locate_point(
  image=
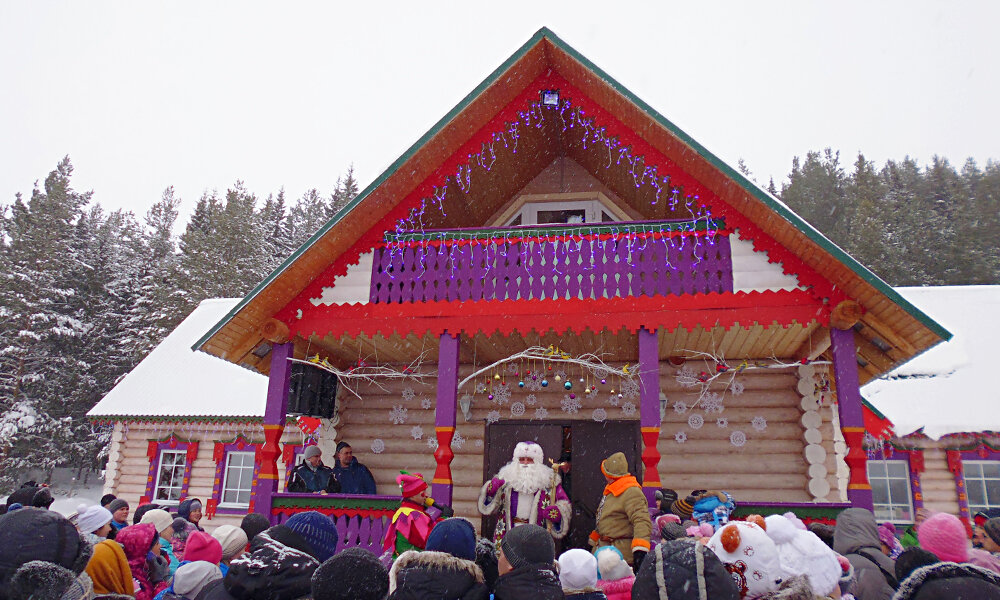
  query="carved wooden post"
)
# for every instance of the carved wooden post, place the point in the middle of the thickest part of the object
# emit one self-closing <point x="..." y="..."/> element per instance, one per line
<point x="274" y="426"/>
<point x="444" y="416"/>
<point x="845" y="371"/>
<point x="649" y="410"/>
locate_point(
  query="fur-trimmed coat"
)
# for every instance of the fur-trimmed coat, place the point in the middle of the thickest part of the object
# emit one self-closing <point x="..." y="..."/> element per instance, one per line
<point x="507" y="498"/>
<point x="430" y="574"/>
<point x="950" y="581"/>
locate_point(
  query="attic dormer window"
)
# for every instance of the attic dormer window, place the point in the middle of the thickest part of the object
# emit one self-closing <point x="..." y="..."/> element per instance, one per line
<point x="556" y="209"/>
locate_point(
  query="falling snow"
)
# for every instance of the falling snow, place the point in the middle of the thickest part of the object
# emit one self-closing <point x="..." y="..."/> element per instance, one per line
<point x="398" y="414"/>
<point x="570" y="405"/>
<point x="417" y="432"/>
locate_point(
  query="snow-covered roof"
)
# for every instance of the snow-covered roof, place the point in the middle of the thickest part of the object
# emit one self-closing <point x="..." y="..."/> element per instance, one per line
<point x="175" y="381"/>
<point x="950" y="388"/>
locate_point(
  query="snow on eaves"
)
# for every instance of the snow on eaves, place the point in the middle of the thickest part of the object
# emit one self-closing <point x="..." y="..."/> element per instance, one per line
<point x="950" y="388"/>
<point x="175" y="381"/>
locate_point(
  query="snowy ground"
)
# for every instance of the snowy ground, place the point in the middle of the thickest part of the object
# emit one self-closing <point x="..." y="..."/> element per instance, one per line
<point x="69" y="492"/>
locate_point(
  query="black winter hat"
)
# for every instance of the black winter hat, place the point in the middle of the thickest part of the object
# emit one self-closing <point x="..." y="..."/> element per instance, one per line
<point x="145" y="508"/>
<point x="912" y="559"/>
<point x="456" y="536"/>
<point x="687" y="570"/>
<point x="23" y="495"/>
<point x="253" y="524"/>
<point x="42" y="498"/>
<point x="992" y="528"/>
<point x="33" y="535"/>
<point x="284" y="535"/>
<point x="528" y="545"/>
<point x="353" y="574"/>
<point x="107" y="498"/>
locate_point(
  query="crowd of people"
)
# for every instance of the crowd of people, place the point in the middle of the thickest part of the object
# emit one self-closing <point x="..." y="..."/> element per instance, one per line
<point x="685" y="548"/>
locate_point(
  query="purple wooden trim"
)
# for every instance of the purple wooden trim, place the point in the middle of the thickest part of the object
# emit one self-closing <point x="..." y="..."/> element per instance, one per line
<point x="649" y="389"/>
<point x="981" y="453"/>
<point x="220" y="469"/>
<point x="275" y="409"/>
<point x="354" y="532"/>
<point x="175" y="444"/>
<point x="297" y="449"/>
<point x="549" y="268"/>
<point x="849" y="408"/>
<point x="447" y="400"/>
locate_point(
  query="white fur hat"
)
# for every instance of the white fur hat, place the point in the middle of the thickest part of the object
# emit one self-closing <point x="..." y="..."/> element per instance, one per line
<point x="750" y="556"/>
<point x="611" y="565"/>
<point x="529" y="449"/>
<point x="803" y="553"/>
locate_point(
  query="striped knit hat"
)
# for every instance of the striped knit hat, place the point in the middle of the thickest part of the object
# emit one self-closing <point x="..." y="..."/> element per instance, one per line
<point x="683" y="508"/>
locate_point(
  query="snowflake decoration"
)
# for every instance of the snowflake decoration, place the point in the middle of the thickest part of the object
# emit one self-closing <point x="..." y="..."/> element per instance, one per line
<point x="630" y="388"/>
<point x="570" y="405"/>
<point x="687" y="377"/>
<point x="592" y="394"/>
<point x="599" y="414"/>
<point x="712" y="403"/>
<point x="512" y="368"/>
<point x="533" y="385"/>
<point x="417" y="432"/>
<point x="458" y="441"/>
<point x="680" y="407"/>
<point x="736" y="387"/>
<point x="695" y="421"/>
<point x="378" y="446"/>
<point x="398" y="414"/>
<point x="680" y="437"/>
<point x="501" y="395"/>
<point x="531" y="400"/>
<point x="628" y="409"/>
<point x="480" y="387"/>
<point x="540" y="413"/>
<point x="426" y="403"/>
<point x="738" y="439"/>
<point x="722" y="422"/>
<point x="479" y="443"/>
<point x="613" y="400"/>
<point x="408" y="394"/>
<point x="517" y="409"/>
<point x="759" y="423"/>
<point x="493" y="416"/>
<point x="432" y="443"/>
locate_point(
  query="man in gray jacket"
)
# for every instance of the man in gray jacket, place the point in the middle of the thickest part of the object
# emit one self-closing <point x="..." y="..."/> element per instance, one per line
<point x="856" y="538"/>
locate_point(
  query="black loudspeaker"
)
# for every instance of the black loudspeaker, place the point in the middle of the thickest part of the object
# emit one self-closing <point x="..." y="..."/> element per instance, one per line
<point x="313" y="391"/>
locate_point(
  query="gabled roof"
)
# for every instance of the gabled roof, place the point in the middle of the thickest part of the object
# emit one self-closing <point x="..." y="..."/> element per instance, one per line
<point x="950" y="388"/>
<point x="547" y="60"/>
<point x="176" y="382"/>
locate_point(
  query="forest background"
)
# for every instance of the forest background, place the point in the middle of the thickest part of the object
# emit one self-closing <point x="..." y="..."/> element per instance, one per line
<point x="86" y="293"/>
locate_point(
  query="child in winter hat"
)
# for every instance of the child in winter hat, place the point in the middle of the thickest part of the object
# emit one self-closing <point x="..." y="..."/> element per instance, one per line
<point x="750" y="556"/>
<point x="353" y="574"/>
<point x="890" y="545"/>
<point x="191" y="578"/>
<point x="319" y="531"/>
<point x="945" y="536"/>
<point x="203" y="547"/>
<point x="800" y="552"/>
<point x="577" y="573"/>
<point x="94" y="522"/>
<point x="615" y="576"/>
<point x="233" y="541"/>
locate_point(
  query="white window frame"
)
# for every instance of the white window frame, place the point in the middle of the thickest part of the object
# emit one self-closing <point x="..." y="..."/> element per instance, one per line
<point x="976" y="507"/>
<point x="528" y="206"/>
<point x="888" y="511"/>
<point x="242" y="469"/>
<point x="159" y="470"/>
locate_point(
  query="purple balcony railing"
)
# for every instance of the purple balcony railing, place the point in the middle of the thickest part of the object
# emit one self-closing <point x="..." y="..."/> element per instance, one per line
<point x="628" y="259"/>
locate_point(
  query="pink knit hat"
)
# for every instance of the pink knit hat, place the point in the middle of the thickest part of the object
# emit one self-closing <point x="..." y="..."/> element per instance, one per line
<point x="944" y="535"/>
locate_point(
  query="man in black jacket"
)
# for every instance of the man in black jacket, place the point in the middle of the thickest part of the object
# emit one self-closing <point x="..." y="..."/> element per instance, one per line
<point x="527" y="565"/>
<point x="312" y="475"/>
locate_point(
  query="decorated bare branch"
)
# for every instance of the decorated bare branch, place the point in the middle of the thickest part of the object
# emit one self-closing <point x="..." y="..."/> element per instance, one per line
<point x="553" y="354"/>
<point x="362" y="372"/>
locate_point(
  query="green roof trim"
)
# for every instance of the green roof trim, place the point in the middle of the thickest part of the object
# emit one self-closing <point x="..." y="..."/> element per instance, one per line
<point x="872" y="408"/>
<point x="174" y="419"/>
<point x="544" y="33"/>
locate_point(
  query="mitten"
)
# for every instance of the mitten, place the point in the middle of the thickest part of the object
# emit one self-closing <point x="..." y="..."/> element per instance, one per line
<point x="552" y="513"/>
<point x="495" y="485"/>
<point x="637" y="556"/>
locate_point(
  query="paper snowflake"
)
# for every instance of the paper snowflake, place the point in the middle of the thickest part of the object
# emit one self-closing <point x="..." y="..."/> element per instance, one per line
<point x="736" y="387"/>
<point x="531" y="399"/>
<point x="695" y="421"/>
<point x="592" y="394"/>
<point x="408" y="394"/>
<point x="759" y="423"/>
<point x="493" y="416"/>
<point x="630" y="388"/>
<point x="479" y="443"/>
<point x="680" y="407"/>
<point x="628" y="409"/>
<point x="512" y="368"/>
<point x="480" y="387"/>
<point x="712" y="403"/>
<point x="722" y="422"/>
<point x="432" y="443"/>
<point x="570" y="405"/>
<point x="398" y="414"/>
<point x="501" y="395"/>
<point x="378" y="446"/>
<point x="540" y="413"/>
<point x="517" y="409"/>
<point x="599" y="414"/>
<point x="417" y="432"/>
<point x="680" y="437"/>
<point x="458" y="441"/>
<point x="426" y="403"/>
<point x="613" y="400"/>
<point x="738" y="439"/>
<point x="533" y="385"/>
<point x="687" y="377"/>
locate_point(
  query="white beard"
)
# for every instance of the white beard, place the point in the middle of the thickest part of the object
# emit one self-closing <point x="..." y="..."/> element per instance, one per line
<point x="527" y="479"/>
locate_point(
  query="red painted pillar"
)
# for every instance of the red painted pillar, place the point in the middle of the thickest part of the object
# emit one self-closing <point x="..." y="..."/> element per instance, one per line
<point x="852" y="424"/>
<point x="649" y="410"/>
<point x="274" y="424"/>
<point x="444" y="416"/>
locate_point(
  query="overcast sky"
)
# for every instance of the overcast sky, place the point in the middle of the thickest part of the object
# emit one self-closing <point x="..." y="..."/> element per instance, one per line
<point x="144" y="95"/>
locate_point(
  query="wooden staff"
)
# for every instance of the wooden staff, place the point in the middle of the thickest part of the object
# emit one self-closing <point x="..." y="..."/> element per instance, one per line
<point x="552" y="495"/>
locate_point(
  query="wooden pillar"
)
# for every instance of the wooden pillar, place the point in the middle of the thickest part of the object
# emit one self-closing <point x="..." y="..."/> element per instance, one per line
<point x="444" y="416"/>
<point x="649" y="410"/>
<point x="275" y="410"/>
<point x="852" y="424"/>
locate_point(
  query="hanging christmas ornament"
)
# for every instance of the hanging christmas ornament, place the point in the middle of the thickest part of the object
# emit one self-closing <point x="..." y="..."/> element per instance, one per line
<point x="558" y="379"/>
<point x="572" y="396"/>
<point x="545" y="383"/>
<point x="497" y="376"/>
<point x="520" y="384"/>
<point x="568" y="385"/>
<point x="604" y="381"/>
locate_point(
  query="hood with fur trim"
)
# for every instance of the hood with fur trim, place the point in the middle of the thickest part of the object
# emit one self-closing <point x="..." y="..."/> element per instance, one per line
<point x="949" y="581"/>
<point x="431" y="574"/>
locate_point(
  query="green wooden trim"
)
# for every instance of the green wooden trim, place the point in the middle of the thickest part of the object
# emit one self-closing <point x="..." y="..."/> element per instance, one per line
<point x="333" y="502"/>
<point x="544" y="33"/>
<point x="820" y="512"/>
<point x="520" y="231"/>
<point x="872" y="408"/>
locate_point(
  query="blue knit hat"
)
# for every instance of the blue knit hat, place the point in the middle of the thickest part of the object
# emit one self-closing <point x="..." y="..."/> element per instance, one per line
<point x="455" y="536"/>
<point x="318" y="530"/>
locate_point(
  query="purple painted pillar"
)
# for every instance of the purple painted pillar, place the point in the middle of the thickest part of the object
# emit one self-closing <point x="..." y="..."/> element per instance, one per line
<point x="274" y="425"/>
<point x="444" y="416"/>
<point x="649" y="410"/>
<point x="852" y="421"/>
